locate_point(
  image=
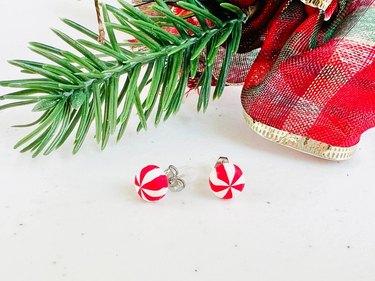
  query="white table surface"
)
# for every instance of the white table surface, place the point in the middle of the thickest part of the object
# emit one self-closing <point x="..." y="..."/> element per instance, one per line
<point x="78" y="218"/>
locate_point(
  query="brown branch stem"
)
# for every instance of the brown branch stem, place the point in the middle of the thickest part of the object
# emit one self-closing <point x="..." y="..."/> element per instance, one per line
<point x="101" y="37"/>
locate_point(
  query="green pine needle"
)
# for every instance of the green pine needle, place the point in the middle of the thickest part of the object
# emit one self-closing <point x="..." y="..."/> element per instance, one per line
<point x="76" y="90"/>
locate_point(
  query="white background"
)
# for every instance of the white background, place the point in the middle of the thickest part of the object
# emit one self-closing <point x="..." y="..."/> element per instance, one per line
<point x="78" y="218"/>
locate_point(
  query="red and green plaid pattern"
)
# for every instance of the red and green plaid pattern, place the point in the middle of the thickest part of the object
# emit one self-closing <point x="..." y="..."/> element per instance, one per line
<point x="315" y="73"/>
<point x="308" y="67"/>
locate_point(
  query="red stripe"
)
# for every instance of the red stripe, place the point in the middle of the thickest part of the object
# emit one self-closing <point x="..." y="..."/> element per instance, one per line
<point x="222" y="174"/>
<point x="150" y="198"/>
<point x="239" y="187"/>
<point x="145" y="170"/>
<point x="136" y="181"/>
<point x="217" y="188"/>
<point x="229" y="194"/>
<point x="157" y="183"/>
<point x="237" y="174"/>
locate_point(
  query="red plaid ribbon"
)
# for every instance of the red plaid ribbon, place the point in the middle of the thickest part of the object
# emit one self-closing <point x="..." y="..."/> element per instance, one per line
<point x="308" y="67"/>
<point x="315" y="73"/>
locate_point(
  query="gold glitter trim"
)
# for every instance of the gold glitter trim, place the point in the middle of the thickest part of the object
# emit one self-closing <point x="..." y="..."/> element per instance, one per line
<point x="320" y="4"/>
<point x="300" y="143"/>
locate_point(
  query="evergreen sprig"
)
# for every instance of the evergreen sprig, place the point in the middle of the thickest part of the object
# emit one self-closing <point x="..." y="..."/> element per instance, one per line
<point x="79" y="88"/>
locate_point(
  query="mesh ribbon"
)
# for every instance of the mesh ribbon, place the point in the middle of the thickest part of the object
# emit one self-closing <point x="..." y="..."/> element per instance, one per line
<point x="308" y="68"/>
<point x="315" y="73"/>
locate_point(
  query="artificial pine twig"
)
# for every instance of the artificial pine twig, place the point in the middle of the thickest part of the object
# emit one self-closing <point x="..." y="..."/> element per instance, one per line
<point x="77" y="89"/>
<point x="101" y="36"/>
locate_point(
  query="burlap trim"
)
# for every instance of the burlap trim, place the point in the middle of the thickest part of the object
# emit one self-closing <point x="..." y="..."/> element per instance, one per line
<point x="300" y="143"/>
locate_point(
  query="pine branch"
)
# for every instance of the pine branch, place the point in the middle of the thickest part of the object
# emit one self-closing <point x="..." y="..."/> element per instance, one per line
<point x="79" y="88"/>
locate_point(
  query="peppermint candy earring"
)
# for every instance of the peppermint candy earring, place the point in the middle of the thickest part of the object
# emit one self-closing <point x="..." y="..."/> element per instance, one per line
<point x="152" y="183"/>
<point x="226" y="179"/>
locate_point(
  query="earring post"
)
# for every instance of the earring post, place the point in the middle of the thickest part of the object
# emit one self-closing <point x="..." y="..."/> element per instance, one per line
<point x="221" y="160"/>
<point x="176" y="184"/>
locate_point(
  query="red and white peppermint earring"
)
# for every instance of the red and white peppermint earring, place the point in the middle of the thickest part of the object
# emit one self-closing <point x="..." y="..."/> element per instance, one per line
<point x="152" y="183"/>
<point x="226" y="179"/>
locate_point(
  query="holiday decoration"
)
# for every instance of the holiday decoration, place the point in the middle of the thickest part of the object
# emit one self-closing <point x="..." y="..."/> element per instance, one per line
<point x="151" y="183"/>
<point x="307" y="67"/>
<point x="77" y="89"/>
<point x="227" y="181"/>
<point x="311" y="86"/>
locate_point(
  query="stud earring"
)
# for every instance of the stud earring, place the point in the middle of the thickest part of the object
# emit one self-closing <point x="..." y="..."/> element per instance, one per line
<point x="152" y="183"/>
<point x="226" y="179"/>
